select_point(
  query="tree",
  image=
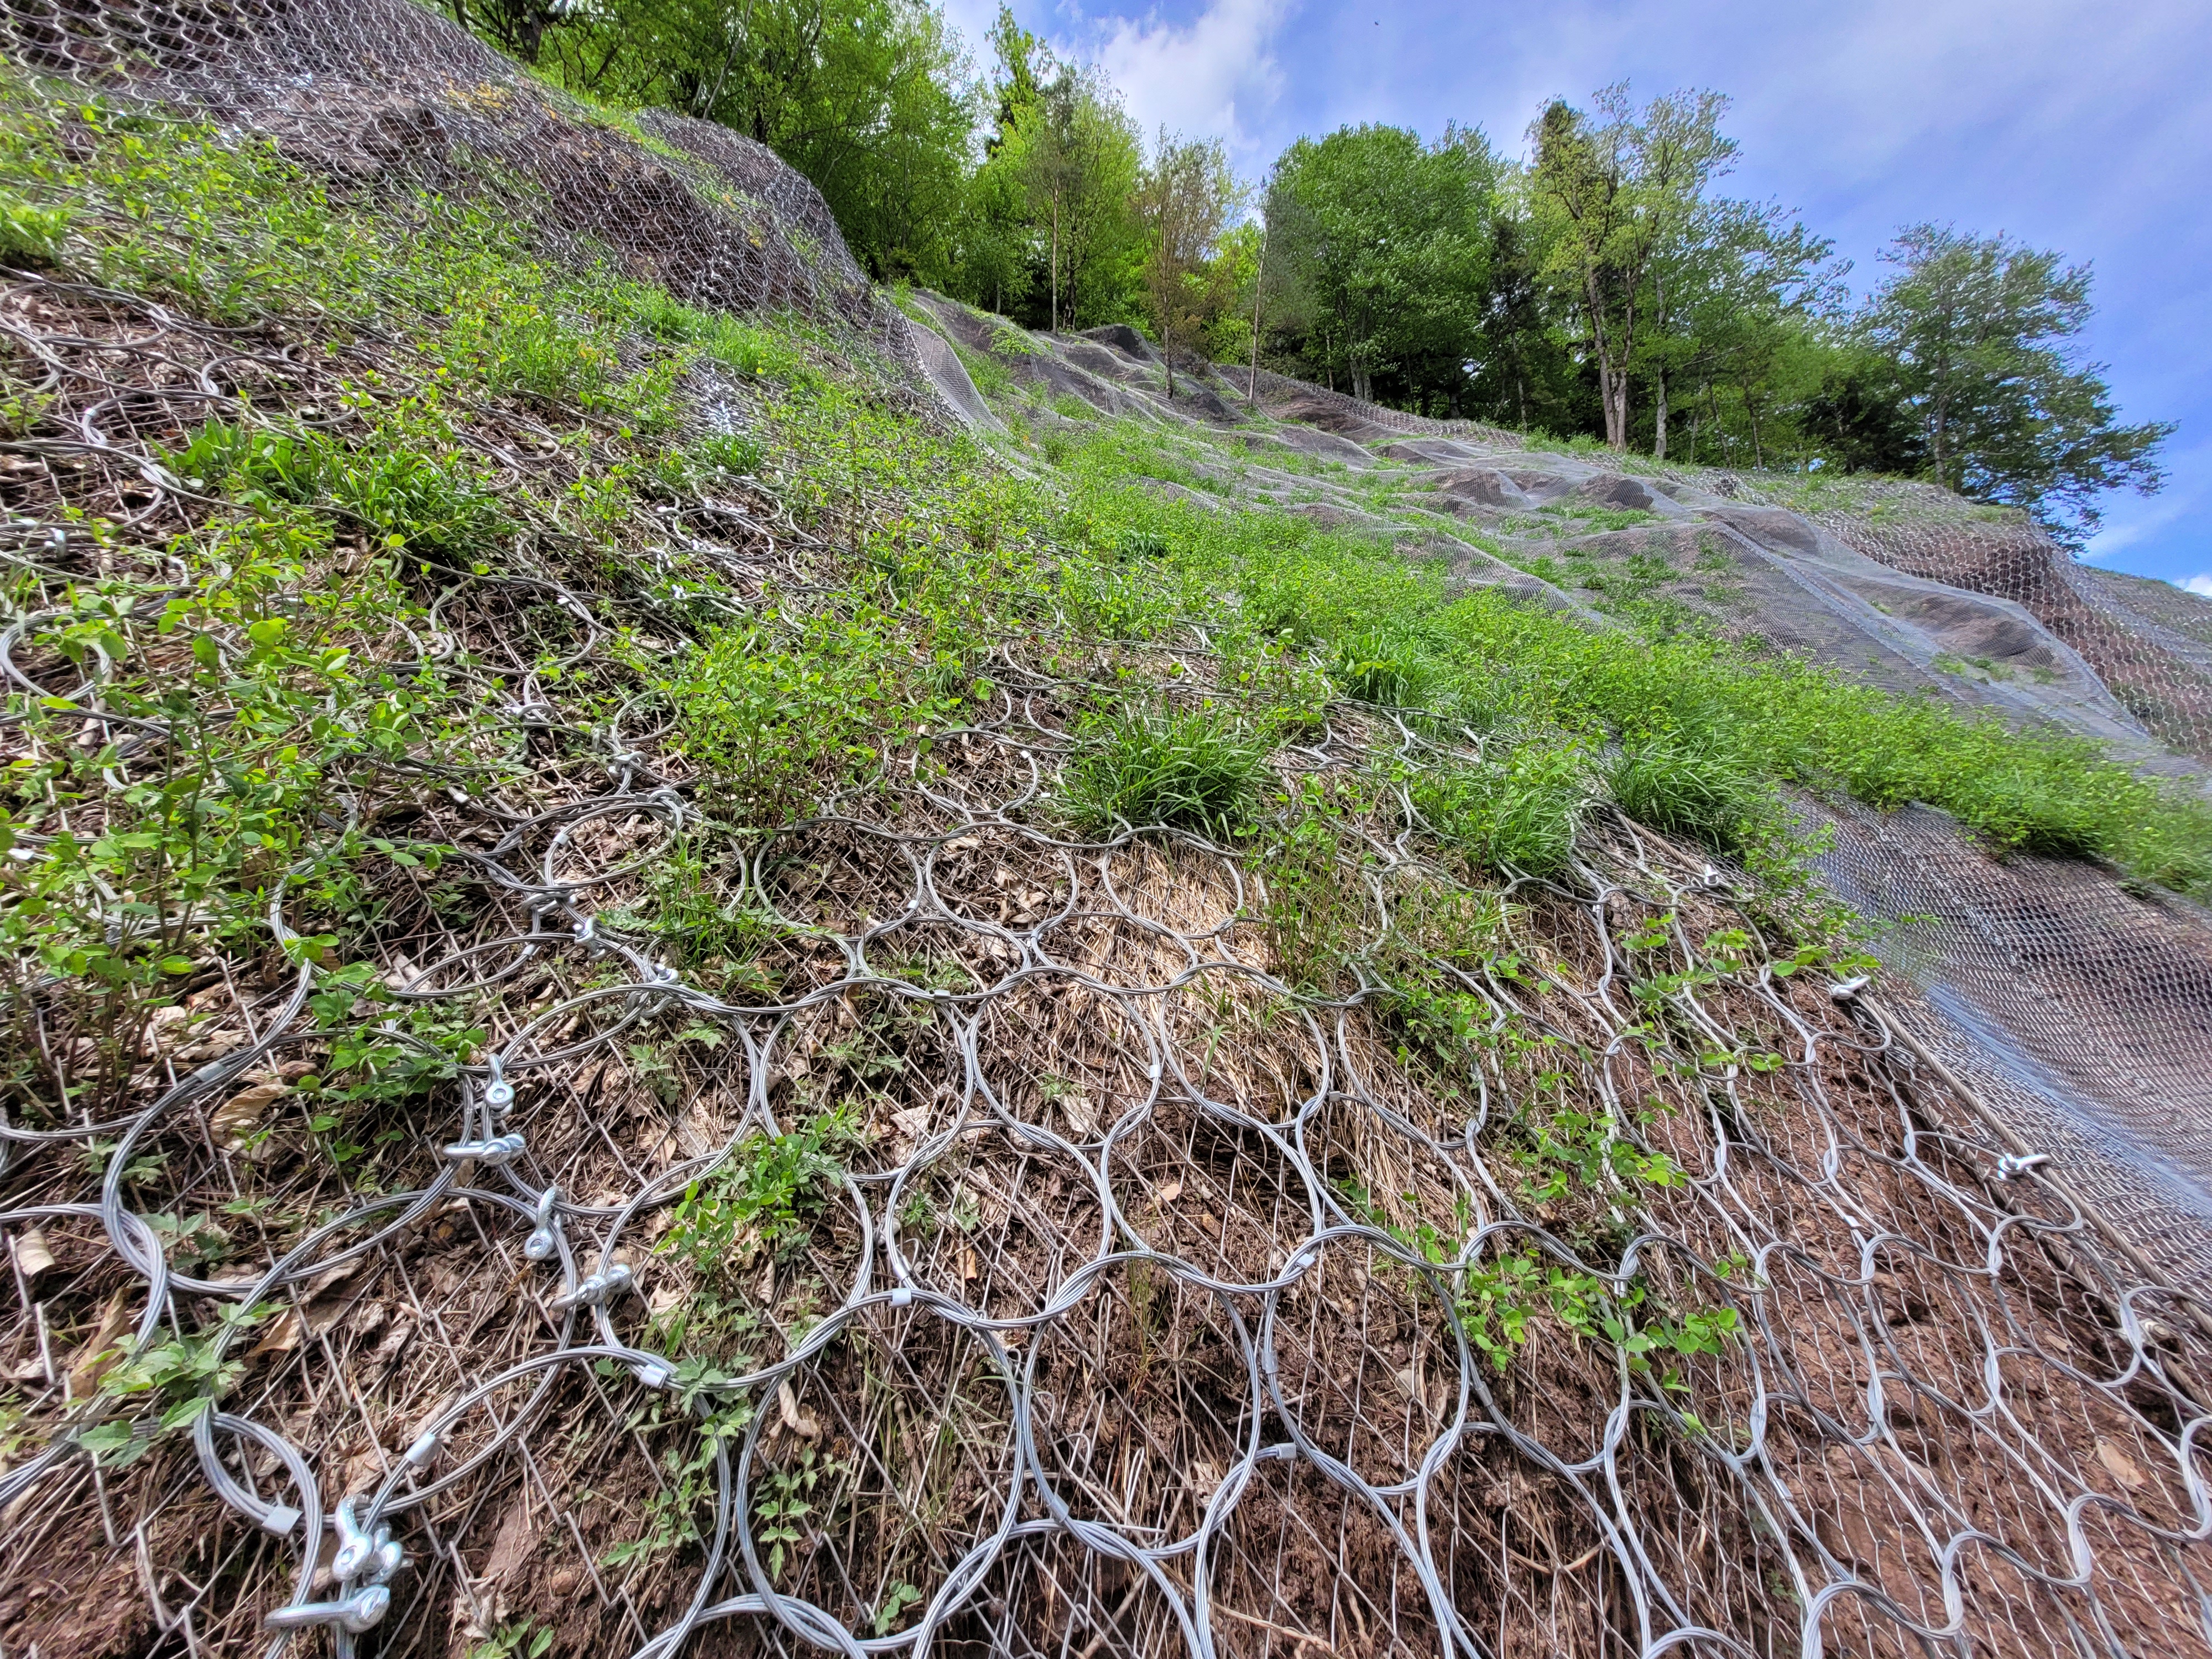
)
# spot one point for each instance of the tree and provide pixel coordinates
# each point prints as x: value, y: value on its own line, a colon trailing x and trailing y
x: 1748, y: 298
x: 996, y: 236
x: 1387, y: 240
x: 1077, y: 154
x: 1982, y: 333
x: 1616, y: 199
x: 1184, y: 203
x: 1861, y: 417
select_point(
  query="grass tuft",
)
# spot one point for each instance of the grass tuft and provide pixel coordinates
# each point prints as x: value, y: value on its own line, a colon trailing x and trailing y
x: 1689, y: 788
x: 1197, y: 770
x: 1515, y: 817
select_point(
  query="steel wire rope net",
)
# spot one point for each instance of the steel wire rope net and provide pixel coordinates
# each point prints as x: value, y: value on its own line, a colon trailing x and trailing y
x: 1161, y: 1294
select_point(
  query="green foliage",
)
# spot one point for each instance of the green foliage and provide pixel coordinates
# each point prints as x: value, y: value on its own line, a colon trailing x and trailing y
x: 1197, y: 770
x: 522, y: 1641
x: 775, y: 722
x: 1497, y: 1303
x: 30, y: 234
x: 1688, y: 787
x: 171, y: 1381
x: 783, y: 1504
x: 1382, y: 666
x: 1382, y: 245
x: 737, y: 342
x: 1517, y: 815
x: 1980, y: 335
x: 411, y: 496
x: 764, y: 1196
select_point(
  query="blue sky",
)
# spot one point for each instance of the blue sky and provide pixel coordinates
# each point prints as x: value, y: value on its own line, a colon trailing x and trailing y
x: 2076, y: 126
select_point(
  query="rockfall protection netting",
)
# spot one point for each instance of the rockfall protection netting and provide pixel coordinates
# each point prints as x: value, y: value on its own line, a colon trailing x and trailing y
x: 386, y: 95
x: 2149, y: 641
x: 1162, y: 1286
x: 1302, y: 400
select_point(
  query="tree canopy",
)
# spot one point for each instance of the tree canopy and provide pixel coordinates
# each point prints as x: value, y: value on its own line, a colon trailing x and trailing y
x: 1606, y: 285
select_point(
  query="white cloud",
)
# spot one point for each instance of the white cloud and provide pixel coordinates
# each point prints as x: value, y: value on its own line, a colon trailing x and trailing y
x: 1209, y: 78
x: 2201, y: 584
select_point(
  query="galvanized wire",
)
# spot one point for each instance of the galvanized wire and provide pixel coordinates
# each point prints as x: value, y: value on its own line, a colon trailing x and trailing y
x: 1145, y: 1313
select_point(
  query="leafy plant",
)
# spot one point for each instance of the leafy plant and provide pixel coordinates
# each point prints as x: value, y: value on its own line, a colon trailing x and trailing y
x: 764, y: 1197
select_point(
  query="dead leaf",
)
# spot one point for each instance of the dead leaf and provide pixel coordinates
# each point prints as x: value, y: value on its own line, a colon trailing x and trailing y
x: 99, y: 1355
x: 1169, y: 1192
x: 282, y: 1337
x: 32, y: 1255
x: 970, y: 1268
x: 2120, y: 1466
x: 511, y: 1546
x: 912, y: 1121
x: 236, y: 1118
x: 786, y: 1408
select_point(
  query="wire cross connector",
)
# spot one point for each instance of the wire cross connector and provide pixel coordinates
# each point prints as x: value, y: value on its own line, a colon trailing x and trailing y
x: 595, y: 1292
x: 544, y: 1238
x: 503, y: 1149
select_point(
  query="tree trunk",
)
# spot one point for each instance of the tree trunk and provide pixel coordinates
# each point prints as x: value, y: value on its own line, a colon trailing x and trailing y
x: 1258, y: 287
x: 1659, y: 443
x: 1612, y: 388
x: 1055, y: 262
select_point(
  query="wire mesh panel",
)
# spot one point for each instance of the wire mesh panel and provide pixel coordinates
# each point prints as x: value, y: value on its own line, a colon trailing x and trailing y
x: 1014, y: 1241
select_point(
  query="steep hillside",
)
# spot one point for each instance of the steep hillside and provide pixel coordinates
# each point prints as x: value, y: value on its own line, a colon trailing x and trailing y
x: 691, y: 969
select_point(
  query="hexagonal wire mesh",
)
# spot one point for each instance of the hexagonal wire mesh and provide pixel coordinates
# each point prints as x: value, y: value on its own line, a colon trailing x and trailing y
x: 1163, y: 1299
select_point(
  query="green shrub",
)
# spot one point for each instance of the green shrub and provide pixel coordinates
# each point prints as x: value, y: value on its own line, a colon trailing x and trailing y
x: 1195, y: 770
x: 1517, y: 815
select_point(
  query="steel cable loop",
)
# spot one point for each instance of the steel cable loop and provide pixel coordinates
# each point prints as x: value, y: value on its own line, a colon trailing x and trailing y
x: 1868, y: 1177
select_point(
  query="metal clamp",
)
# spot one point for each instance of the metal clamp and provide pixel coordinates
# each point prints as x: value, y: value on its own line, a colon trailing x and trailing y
x: 499, y: 1093
x: 362, y: 1611
x: 375, y: 1556
x: 1848, y: 990
x: 595, y: 1292
x: 2012, y: 1167
x: 545, y: 1236
x: 505, y: 1149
